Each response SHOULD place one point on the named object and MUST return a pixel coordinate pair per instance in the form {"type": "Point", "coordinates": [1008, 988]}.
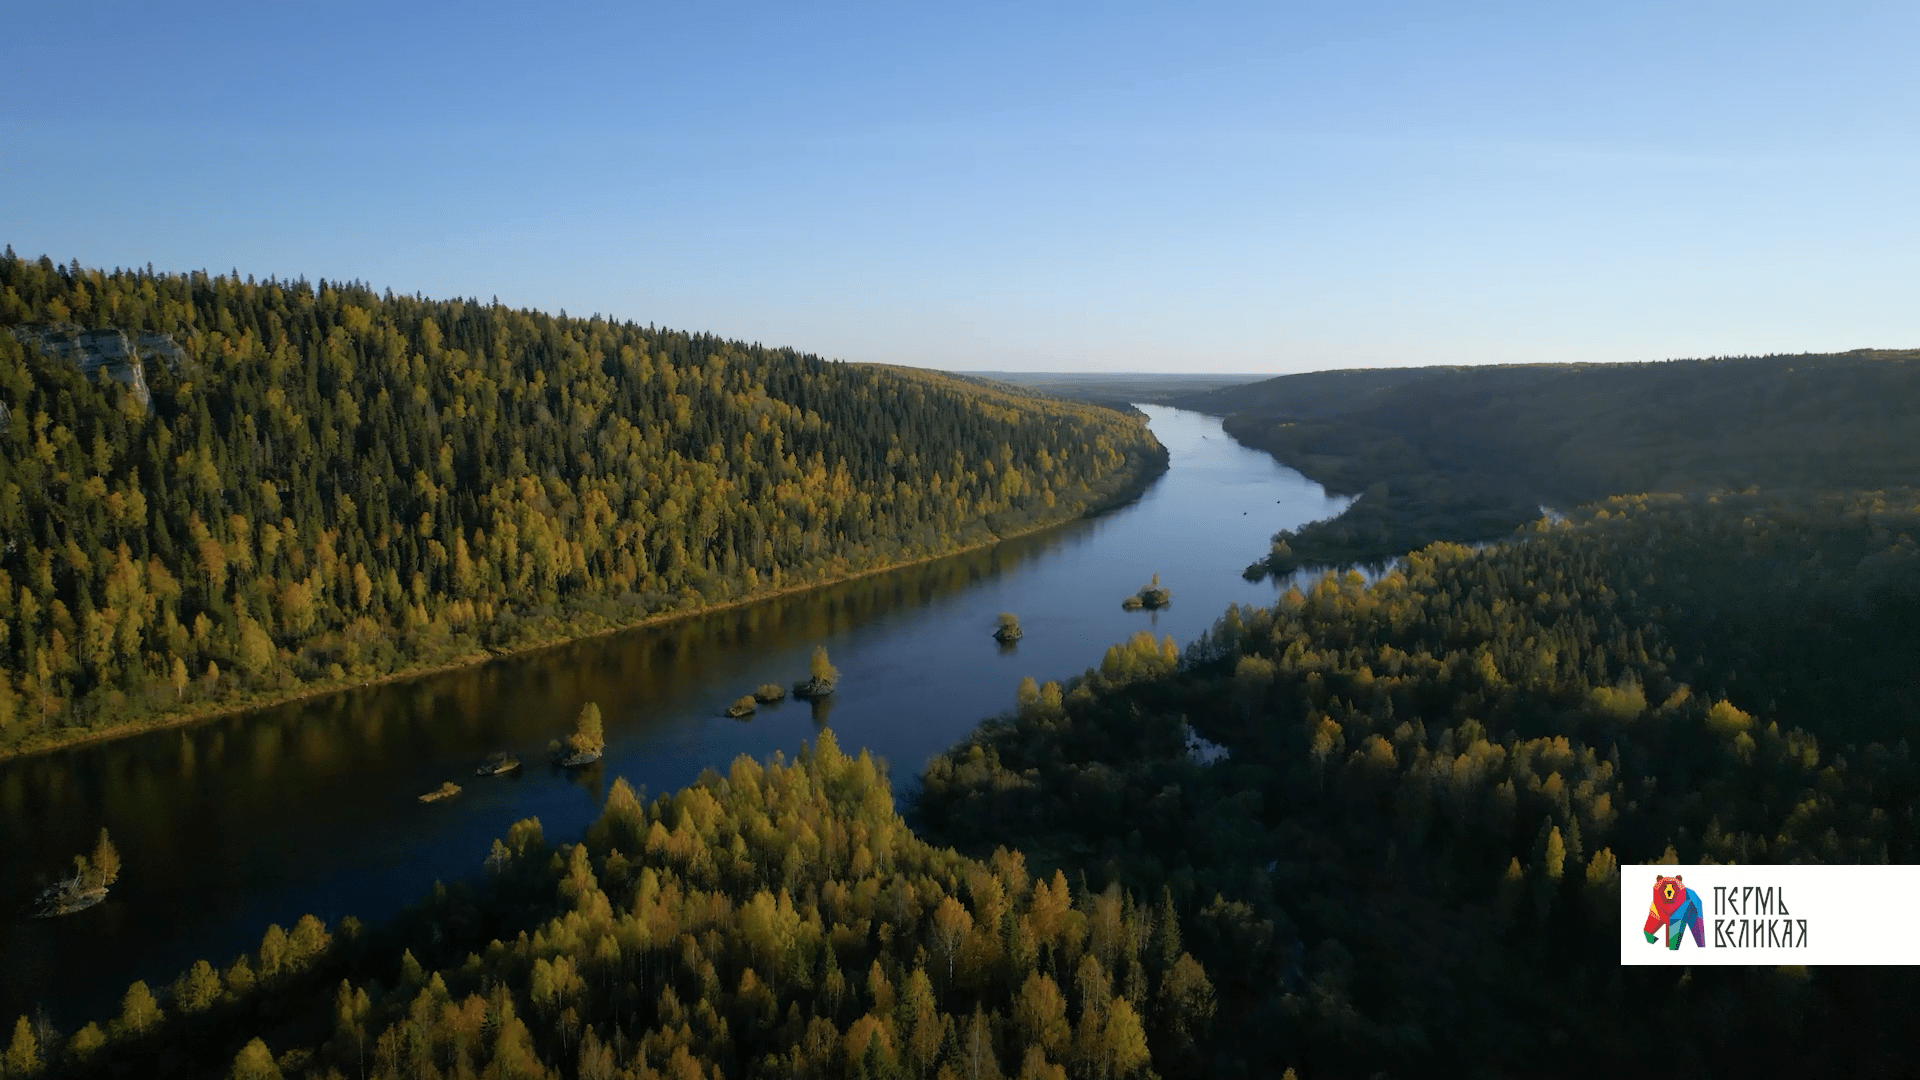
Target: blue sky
{"type": "Point", "coordinates": [1264, 188]}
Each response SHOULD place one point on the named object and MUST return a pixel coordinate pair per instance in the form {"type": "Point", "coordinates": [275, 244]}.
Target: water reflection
{"type": "Point", "coordinates": [311, 807]}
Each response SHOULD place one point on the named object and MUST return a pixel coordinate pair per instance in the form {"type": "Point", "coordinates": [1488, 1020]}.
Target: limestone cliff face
{"type": "Point", "coordinates": [119, 352]}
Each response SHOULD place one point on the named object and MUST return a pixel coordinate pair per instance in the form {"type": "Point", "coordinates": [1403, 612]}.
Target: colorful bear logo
{"type": "Point", "coordinates": [1678, 909]}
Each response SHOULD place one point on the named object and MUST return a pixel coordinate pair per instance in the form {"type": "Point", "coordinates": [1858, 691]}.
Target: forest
{"type": "Point", "coordinates": [305, 486]}
{"type": "Point", "coordinates": [1371, 830]}
{"type": "Point", "coordinates": [778, 921]}
{"type": "Point", "coordinates": [1390, 816]}
{"type": "Point", "coordinates": [1468, 454]}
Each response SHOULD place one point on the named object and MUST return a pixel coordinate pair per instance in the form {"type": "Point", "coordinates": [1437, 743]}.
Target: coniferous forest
{"type": "Point", "coordinates": [778, 921]}
{"type": "Point", "coordinates": [1374, 829]}
{"type": "Point", "coordinates": [1468, 454]}
{"type": "Point", "coordinates": [1392, 851]}
{"type": "Point", "coordinates": [1405, 863]}
{"type": "Point", "coordinates": [316, 485]}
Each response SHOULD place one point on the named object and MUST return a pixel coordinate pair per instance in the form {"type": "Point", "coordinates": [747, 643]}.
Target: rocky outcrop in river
{"type": "Point", "coordinates": [1151, 597]}
{"type": "Point", "coordinates": [813, 688]}
{"type": "Point", "coordinates": [67, 897]}
{"type": "Point", "coordinates": [498, 763]}
{"type": "Point", "coordinates": [88, 885]}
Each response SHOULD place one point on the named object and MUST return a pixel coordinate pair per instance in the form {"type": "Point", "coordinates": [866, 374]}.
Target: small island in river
{"type": "Point", "coordinates": [1151, 597]}
{"type": "Point", "coordinates": [445, 791]}
{"type": "Point", "coordinates": [587, 742]}
{"type": "Point", "coordinates": [498, 763]}
{"type": "Point", "coordinates": [87, 886]}
{"type": "Point", "coordinates": [743, 707]}
{"type": "Point", "coordinates": [1009, 630]}
{"type": "Point", "coordinates": [823, 676]}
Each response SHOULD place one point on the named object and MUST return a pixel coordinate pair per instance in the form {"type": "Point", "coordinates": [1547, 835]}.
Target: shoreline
{"type": "Point", "coordinates": [1127, 493]}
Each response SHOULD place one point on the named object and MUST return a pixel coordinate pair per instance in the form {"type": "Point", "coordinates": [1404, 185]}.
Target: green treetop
{"type": "Point", "coordinates": [821, 668]}
{"type": "Point", "coordinates": [587, 737]}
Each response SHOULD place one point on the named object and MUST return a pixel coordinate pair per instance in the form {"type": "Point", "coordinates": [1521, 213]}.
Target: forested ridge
{"type": "Point", "coordinates": [1469, 453]}
{"type": "Point", "coordinates": [329, 485]}
{"type": "Point", "coordinates": [1405, 860]}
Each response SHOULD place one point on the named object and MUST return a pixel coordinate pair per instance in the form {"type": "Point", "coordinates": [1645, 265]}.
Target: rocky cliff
{"type": "Point", "coordinates": [117, 351]}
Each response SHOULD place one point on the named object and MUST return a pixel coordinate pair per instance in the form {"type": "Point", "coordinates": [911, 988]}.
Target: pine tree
{"type": "Point", "coordinates": [1554, 860]}
{"type": "Point", "coordinates": [103, 868]}
{"type": "Point", "coordinates": [86, 1042]}
{"type": "Point", "coordinates": [254, 1062]}
{"type": "Point", "coordinates": [198, 989]}
{"type": "Point", "coordinates": [821, 668]}
{"type": "Point", "coordinates": [976, 1059]}
{"type": "Point", "coordinates": [23, 1053]}
{"type": "Point", "coordinates": [1166, 932]}
{"type": "Point", "coordinates": [587, 737]}
{"type": "Point", "coordinates": [1040, 1015]}
{"type": "Point", "coordinates": [1026, 695]}
{"type": "Point", "coordinates": [139, 1012]}
{"type": "Point", "coordinates": [1125, 1041]}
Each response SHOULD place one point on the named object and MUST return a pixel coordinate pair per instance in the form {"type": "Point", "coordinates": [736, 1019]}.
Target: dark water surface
{"type": "Point", "coordinates": [231, 824]}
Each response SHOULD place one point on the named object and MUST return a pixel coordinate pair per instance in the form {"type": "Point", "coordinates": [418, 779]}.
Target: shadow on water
{"type": "Point", "coordinates": [228, 825]}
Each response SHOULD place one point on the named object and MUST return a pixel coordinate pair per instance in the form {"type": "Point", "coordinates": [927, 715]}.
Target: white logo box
{"type": "Point", "coordinates": [1760, 914]}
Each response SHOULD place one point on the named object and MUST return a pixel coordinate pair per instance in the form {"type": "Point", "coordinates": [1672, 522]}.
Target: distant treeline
{"type": "Point", "coordinates": [1405, 862]}
{"type": "Point", "coordinates": [1118, 390]}
{"type": "Point", "coordinates": [1469, 453]}
{"type": "Point", "coordinates": [329, 484]}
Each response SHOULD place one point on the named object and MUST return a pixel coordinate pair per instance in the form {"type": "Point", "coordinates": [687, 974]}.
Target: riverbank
{"type": "Point", "coordinates": [311, 806]}
{"type": "Point", "coordinates": [578, 626]}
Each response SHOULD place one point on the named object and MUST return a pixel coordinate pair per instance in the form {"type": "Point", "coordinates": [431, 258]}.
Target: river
{"type": "Point", "coordinates": [228, 825]}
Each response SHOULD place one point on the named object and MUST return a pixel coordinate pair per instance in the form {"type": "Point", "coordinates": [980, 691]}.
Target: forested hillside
{"type": "Point", "coordinates": [780, 921]}
{"type": "Point", "coordinates": [1395, 854]}
{"type": "Point", "coordinates": [1469, 453]}
{"type": "Point", "coordinates": [1404, 863]}
{"type": "Point", "coordinates": [317, 484]}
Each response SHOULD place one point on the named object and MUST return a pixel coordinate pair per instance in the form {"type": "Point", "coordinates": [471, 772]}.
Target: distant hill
{"type": "Point", "coordinates": [216, 492]}
{"type": "Point", "coordinates": [1117, 388]}
{"type": "Point", "coordinates": [1307, 394]}
{"type": "Point", "coordinates": [1467, 453]}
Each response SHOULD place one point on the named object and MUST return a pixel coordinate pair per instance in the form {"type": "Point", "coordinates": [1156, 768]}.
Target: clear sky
{"type": "Point", "coordinates": [1045, 186]}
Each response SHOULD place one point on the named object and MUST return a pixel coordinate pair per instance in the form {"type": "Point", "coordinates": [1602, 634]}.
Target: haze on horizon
{"type": "Point", "coordinates": [1233, 188]}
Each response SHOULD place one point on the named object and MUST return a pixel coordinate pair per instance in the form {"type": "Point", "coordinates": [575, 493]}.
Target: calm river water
{"type": "Point", "coordinates": [226, 826]}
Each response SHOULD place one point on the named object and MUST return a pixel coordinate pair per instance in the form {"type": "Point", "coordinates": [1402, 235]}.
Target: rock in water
{"type": "Point", "coordinates": [498, 763]}
{"type": "Point", "coordinates": [813, 688]}
{"type": "Point", "coordinates": [1152, 596]}
{"type": "Point", "coordinates": [65, 898]}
